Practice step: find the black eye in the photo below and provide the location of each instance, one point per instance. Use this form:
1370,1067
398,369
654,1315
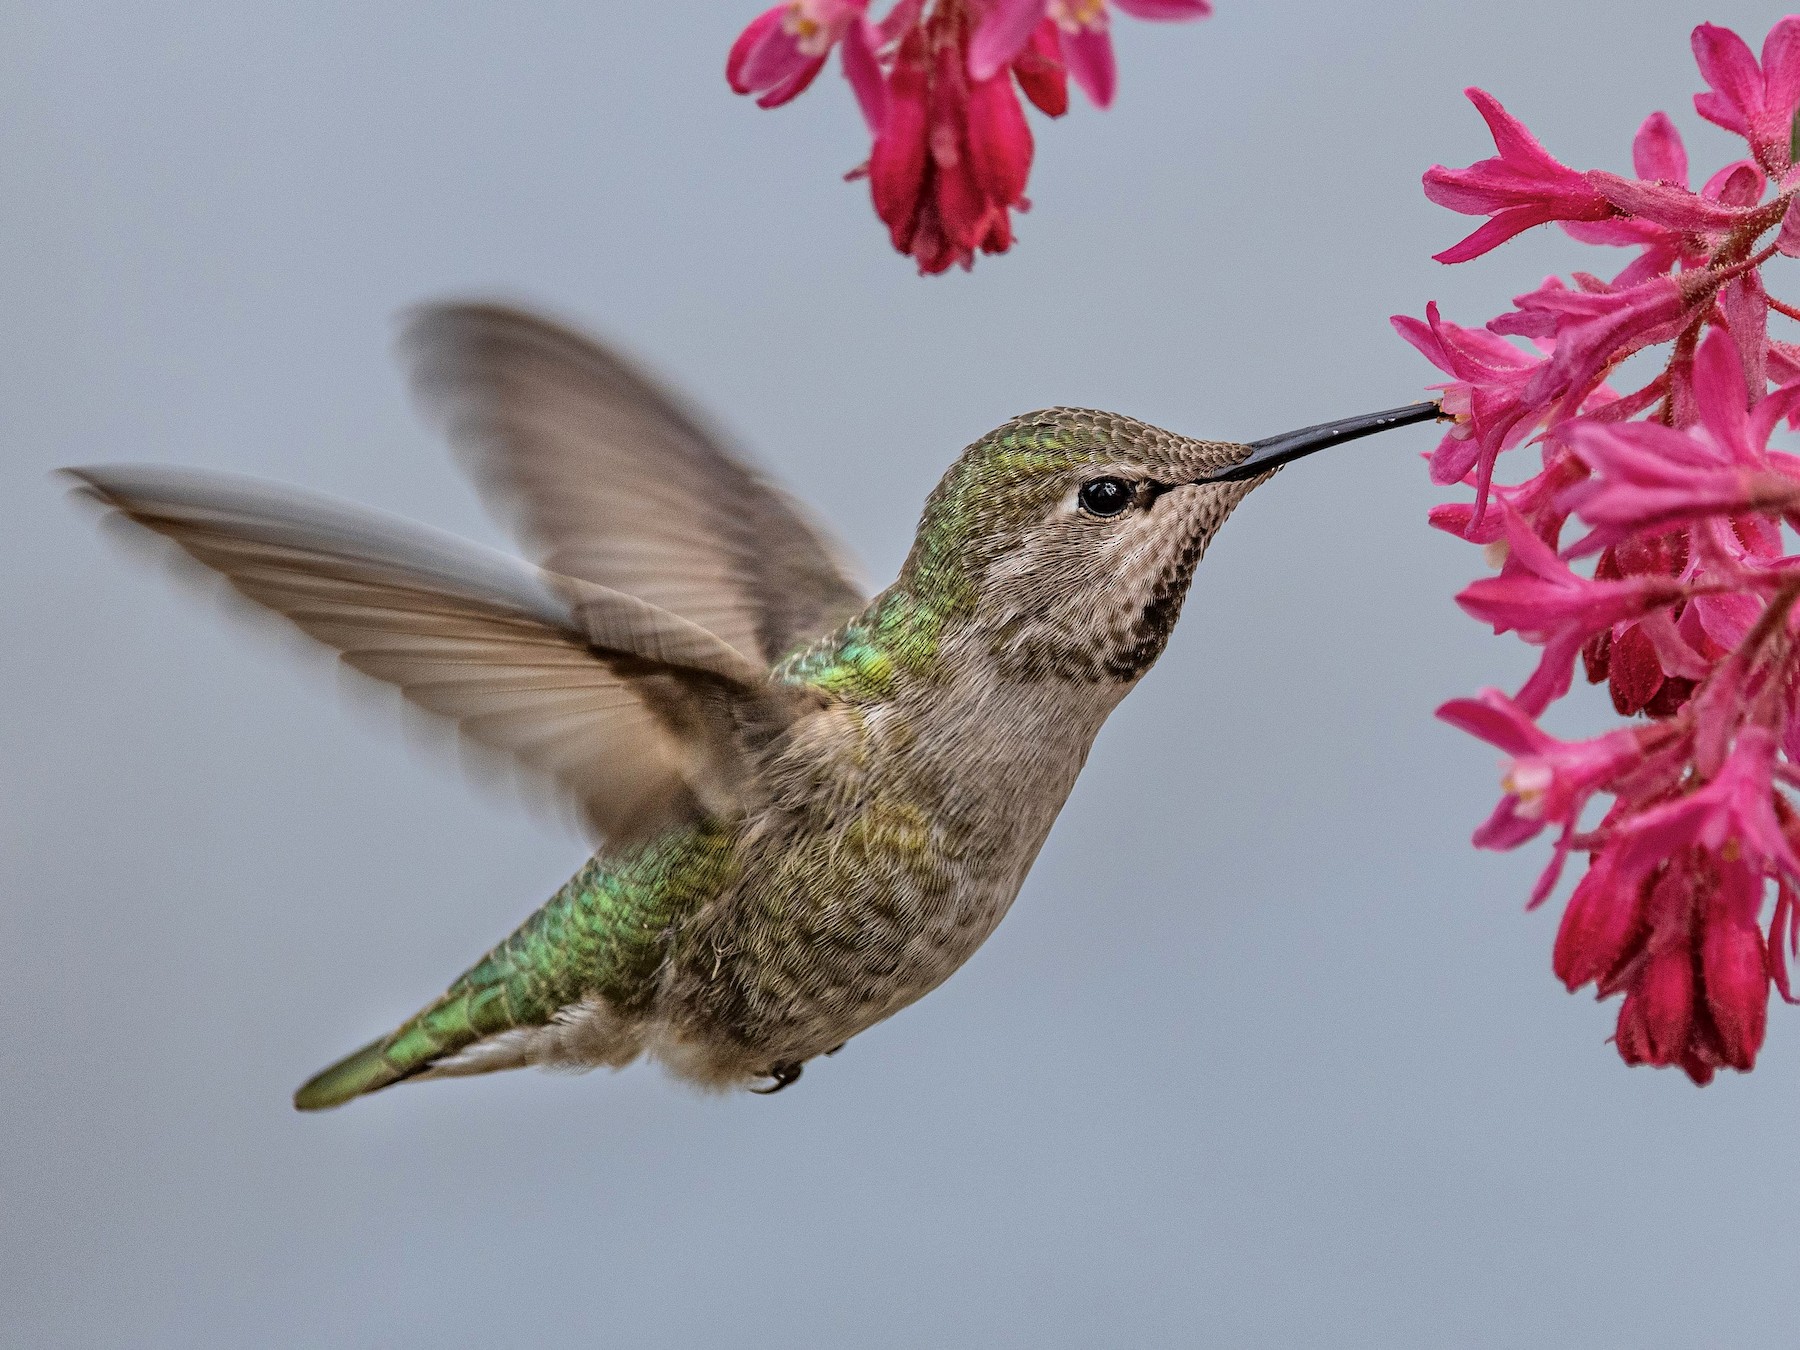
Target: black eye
1106,496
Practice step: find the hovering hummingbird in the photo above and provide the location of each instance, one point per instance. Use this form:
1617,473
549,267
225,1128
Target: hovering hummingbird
810,806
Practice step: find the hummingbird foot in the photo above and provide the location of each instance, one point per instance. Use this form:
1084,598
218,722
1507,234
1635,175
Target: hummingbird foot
783,1075
834,1049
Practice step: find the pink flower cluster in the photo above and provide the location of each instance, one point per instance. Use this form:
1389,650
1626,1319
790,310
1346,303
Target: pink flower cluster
938,82
1690,902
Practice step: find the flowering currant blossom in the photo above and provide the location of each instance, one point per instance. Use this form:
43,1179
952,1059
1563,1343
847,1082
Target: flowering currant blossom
938,82
1689,904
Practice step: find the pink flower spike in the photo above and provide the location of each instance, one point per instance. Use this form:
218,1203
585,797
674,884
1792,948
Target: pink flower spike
938,83
1003,34
1688,615
1520,187
1756,101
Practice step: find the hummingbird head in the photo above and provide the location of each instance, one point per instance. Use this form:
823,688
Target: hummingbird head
1065,540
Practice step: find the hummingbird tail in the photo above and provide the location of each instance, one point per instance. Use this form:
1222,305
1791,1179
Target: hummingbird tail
368,1070
452,1024
542,996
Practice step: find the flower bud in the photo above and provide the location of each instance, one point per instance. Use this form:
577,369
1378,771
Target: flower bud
1598,927
1736,974
999,139
1657,1016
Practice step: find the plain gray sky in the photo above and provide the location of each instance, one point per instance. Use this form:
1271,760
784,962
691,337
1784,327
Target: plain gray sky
1266,1055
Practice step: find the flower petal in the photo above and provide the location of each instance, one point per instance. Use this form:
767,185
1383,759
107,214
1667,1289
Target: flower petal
747,44
1002,34
1657,154
864,73
1089,54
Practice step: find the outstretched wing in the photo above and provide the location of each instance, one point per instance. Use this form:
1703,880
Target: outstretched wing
629,708
605,476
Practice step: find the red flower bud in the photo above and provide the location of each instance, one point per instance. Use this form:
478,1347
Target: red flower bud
999,139
898,162
1634,672
1599,926
1041,72
1658,1014
1736,974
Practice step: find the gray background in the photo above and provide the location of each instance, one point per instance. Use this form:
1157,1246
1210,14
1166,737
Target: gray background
1265,1056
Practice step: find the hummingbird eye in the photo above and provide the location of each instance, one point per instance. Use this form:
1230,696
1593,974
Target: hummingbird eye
1106,496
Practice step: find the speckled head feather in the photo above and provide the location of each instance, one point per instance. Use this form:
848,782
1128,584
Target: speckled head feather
1006,546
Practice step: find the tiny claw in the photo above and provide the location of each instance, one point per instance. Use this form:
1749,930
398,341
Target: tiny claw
784,1075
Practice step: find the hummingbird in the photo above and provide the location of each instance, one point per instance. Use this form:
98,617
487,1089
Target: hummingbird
809,806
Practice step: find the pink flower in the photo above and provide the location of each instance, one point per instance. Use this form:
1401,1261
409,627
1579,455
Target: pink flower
1688,950
784,48
1658,157
951,159
1547,781
1592,329
1756,101
1086,43
1537,596
1535,501
1520,187
1486,396
1735,808
1651,477
935,80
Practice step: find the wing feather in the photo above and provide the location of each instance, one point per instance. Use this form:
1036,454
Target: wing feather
550,670
604,475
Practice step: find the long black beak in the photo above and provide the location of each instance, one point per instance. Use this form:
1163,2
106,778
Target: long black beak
1279,450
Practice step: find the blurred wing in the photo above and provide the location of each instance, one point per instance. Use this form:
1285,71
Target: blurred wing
573,680
604,476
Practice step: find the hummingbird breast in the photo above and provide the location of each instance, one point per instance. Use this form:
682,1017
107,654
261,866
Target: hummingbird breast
897,835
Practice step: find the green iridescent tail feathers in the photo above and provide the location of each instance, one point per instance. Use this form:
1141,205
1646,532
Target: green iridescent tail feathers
449,1025
368,1070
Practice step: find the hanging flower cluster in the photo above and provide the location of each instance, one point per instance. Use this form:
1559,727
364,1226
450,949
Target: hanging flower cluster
938,82
1689,904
